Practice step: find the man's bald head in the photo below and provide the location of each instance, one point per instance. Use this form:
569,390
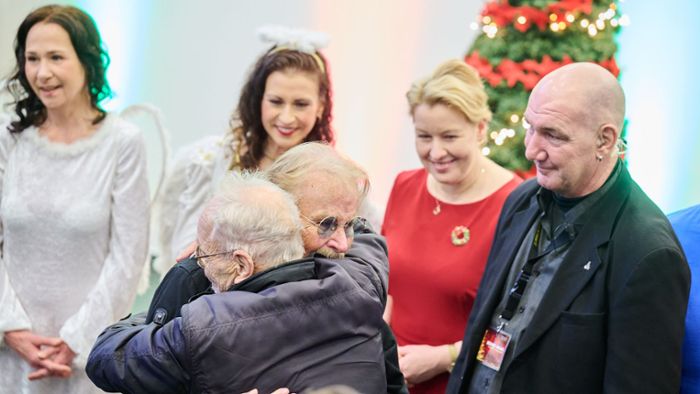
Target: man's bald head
575,116
593,90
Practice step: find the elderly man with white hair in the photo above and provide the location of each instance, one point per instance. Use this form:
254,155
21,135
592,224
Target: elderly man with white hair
328,189
303,324
249,226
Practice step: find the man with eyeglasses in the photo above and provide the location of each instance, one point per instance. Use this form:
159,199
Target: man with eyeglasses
303,324
328,189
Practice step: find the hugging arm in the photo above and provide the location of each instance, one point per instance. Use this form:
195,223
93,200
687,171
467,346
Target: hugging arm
133,357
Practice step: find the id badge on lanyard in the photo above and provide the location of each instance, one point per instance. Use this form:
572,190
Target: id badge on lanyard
493,348
495,341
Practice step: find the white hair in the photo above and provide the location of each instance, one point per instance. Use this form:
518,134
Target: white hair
250,213
317,162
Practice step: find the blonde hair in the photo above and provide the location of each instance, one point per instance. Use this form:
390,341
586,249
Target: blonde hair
311,160
456,85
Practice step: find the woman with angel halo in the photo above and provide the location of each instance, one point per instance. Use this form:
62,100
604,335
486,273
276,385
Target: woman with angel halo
286,100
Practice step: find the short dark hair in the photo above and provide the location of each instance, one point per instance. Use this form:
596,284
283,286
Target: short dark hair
85,37
246,122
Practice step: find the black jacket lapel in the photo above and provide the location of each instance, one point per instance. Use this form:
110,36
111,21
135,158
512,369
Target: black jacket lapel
581,262
497,271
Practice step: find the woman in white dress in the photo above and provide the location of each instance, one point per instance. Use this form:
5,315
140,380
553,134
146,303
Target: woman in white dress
73,206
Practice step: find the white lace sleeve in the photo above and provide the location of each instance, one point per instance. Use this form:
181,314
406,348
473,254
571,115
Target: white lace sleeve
188,186
114,292
12,315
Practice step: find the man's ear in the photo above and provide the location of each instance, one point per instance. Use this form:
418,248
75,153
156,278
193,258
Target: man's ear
246,266
606,140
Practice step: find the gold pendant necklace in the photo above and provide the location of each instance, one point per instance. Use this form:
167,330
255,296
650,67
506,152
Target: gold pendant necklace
460,234
436,210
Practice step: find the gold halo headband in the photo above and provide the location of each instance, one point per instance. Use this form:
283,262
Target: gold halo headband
313,55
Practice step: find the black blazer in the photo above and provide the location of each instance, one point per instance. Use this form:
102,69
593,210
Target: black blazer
616,327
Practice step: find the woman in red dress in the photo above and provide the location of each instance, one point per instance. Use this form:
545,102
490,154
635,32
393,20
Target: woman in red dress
439,223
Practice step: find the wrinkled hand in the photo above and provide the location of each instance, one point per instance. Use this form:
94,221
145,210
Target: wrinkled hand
40,352
278,391
419,363
185,254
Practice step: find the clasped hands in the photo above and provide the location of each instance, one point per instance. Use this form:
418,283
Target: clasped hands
50,356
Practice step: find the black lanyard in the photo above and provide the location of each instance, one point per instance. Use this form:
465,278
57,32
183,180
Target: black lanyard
516,292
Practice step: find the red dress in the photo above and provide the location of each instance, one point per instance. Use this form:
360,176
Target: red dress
433,283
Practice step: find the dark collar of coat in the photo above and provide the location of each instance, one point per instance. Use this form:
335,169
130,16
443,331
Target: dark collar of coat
293,271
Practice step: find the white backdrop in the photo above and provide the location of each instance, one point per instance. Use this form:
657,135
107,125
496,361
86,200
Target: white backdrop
189,58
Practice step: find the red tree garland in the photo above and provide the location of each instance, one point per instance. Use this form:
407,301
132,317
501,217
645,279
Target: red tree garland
502,13
527,72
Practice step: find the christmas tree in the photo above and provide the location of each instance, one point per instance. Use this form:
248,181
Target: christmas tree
523,40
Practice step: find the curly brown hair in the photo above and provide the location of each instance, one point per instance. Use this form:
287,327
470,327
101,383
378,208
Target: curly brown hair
85,37
246,122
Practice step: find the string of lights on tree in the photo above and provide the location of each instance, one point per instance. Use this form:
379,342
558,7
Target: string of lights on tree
523,40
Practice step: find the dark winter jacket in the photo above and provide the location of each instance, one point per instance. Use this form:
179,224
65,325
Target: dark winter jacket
298,334
186,282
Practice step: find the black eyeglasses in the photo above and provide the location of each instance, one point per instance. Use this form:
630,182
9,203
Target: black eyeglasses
328,225
198,253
